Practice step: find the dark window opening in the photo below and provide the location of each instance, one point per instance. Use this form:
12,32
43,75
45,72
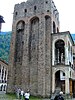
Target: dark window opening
59,84
54,27
70,73
46,2
5,76
25,10
4,88
57,78
1,87
34,7
57,30
16,13
63,74
47,10
69,63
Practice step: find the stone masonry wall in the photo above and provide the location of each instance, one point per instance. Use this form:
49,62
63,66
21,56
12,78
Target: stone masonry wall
30,57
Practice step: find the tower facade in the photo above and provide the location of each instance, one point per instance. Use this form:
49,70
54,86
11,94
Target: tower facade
30,56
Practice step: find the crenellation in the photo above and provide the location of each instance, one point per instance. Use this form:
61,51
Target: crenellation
41,7
55,12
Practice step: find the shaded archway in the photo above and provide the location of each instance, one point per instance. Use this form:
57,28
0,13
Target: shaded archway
60,80
33,53
19,45
59,52
19,40
4,88
1,88
33,38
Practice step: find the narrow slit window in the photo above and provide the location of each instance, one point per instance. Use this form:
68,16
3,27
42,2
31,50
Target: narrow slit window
35,8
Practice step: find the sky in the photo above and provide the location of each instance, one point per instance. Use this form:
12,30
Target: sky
65,8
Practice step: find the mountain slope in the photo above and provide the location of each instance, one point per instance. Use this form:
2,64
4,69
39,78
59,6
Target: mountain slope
5,45
73,36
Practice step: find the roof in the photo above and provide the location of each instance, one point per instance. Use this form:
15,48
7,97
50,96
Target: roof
1,19
3,61
63,33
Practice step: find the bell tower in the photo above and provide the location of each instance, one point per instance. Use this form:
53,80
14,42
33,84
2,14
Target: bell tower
30,56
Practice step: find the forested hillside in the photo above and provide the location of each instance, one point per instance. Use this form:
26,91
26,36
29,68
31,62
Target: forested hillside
73,36
5,45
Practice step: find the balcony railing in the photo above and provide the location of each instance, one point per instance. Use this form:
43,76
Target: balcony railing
59,62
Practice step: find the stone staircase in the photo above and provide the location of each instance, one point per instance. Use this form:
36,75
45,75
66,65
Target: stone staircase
57,90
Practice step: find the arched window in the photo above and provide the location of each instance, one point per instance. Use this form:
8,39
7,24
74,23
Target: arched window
47,23
60,80
19,41
33,37
59,52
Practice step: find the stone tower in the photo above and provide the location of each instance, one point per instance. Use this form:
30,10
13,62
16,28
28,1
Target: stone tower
30,56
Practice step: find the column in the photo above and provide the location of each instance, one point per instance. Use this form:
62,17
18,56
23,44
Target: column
53,83
41,58
1,73
53,54
67,88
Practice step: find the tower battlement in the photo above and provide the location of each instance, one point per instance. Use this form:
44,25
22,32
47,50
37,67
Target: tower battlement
36,7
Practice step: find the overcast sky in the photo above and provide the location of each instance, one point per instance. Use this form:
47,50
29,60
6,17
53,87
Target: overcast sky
65,7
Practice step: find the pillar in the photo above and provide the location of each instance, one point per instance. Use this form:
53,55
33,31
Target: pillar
67,88
53,83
